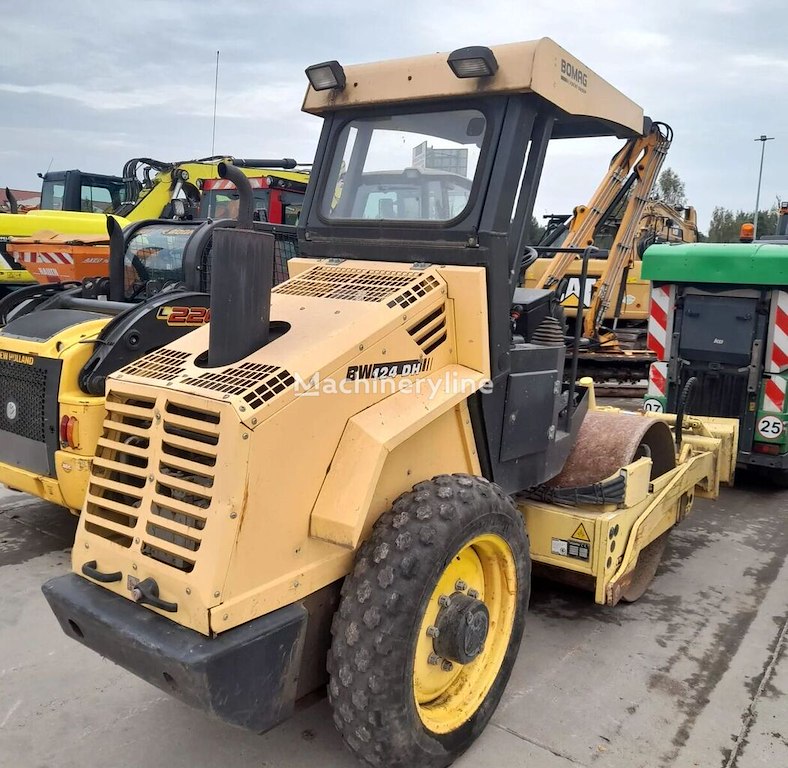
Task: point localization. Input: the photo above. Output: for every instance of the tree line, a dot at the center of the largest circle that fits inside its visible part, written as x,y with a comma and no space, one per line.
725,223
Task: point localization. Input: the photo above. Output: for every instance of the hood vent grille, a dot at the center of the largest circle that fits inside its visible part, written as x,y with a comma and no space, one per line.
348,284
414,292
257,383
430,332
164,365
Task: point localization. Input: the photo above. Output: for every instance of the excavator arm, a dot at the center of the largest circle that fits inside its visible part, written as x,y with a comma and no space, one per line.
633,171
653,149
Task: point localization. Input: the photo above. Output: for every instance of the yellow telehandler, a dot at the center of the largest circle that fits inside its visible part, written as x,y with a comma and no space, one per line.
334,479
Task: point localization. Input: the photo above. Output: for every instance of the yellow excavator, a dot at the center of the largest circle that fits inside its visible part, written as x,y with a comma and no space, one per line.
622,218
346,478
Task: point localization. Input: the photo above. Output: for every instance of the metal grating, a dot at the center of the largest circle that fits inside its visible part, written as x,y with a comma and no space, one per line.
23,397
165,508
120,469
164,365
430,332
346,283
414,292
285,248
257,382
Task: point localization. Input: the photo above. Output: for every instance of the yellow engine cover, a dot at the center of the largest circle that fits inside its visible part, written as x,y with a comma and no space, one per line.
244,488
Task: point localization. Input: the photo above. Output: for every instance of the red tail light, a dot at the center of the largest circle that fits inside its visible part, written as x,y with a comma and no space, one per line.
69,431
769,448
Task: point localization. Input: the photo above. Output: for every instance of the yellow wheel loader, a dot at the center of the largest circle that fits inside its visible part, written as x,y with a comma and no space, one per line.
338,478
59,342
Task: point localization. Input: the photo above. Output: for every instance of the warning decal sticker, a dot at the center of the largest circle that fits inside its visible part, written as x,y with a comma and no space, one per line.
580,533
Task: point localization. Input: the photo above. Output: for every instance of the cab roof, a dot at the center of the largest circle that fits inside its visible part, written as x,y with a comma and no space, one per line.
727,263
591,106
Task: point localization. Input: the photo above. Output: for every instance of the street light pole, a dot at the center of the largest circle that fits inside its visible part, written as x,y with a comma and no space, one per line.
763,139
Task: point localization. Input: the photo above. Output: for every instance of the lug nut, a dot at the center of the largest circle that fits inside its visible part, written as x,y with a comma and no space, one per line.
460,585
447,666
433,659
443,601
473,593
433,631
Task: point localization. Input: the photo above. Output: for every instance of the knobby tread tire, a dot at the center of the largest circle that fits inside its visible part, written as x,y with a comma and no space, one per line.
375,629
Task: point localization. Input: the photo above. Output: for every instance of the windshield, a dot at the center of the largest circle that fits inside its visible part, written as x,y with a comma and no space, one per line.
155,252
412,167
52,195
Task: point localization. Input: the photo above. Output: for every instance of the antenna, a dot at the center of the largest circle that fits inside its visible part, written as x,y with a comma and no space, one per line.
215,93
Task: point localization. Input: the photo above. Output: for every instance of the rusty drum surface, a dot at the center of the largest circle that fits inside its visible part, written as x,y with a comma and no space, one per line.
608,441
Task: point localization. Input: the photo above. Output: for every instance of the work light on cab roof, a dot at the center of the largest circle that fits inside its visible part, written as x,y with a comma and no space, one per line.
474,61
326,76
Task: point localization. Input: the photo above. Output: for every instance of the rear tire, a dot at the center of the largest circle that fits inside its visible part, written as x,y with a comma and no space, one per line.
454,543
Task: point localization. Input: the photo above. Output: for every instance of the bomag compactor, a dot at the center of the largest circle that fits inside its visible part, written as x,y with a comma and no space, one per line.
59,342
334,479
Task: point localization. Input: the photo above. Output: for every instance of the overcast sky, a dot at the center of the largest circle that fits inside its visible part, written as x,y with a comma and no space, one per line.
88,85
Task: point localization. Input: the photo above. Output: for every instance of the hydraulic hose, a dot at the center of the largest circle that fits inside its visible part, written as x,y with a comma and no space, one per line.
684,400
610,491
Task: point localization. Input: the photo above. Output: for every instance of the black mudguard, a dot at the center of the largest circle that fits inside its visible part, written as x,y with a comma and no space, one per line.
143,328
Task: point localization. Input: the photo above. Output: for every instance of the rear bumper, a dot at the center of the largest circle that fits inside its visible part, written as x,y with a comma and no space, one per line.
67,489
763,460
246,676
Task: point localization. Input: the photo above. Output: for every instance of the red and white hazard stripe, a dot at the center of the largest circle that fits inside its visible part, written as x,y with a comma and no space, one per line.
658,380
220,184
777,340
660,321
774,394
39,257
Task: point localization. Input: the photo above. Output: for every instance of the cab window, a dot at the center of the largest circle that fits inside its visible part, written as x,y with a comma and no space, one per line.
155,253
410,167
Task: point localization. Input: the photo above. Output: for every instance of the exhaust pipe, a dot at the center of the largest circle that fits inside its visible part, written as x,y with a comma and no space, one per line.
117,257
242,274
245,193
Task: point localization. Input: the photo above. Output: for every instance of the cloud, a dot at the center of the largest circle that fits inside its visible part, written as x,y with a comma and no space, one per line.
91,87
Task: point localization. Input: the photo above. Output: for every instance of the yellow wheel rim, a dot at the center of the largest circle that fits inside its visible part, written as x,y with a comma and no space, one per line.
446,698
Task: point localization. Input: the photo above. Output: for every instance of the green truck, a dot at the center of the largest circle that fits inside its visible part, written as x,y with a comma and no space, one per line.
718,326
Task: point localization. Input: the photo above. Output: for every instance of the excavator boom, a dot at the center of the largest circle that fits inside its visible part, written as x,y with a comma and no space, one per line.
633,172
650,158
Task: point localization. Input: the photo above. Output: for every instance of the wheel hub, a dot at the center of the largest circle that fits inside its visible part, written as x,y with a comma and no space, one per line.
462,623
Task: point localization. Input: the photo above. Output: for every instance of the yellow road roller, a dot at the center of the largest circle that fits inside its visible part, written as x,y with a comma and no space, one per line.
336,480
